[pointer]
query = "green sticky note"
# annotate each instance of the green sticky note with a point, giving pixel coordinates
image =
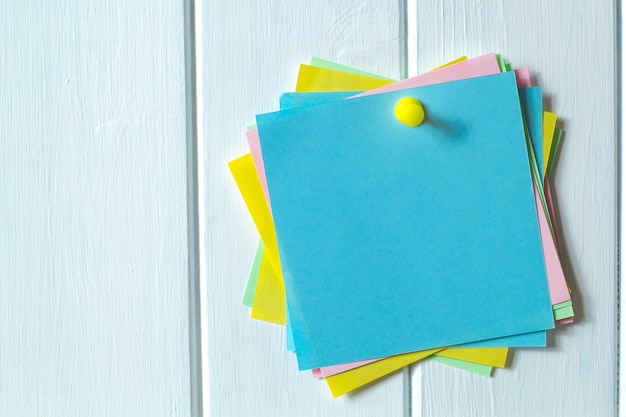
(563, 310)
(501, 63)
(477, 368)
(563, 313)
(564, 304)
(324, 63)
(248, 296)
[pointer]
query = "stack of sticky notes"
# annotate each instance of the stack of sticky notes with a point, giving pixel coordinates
(393, 233)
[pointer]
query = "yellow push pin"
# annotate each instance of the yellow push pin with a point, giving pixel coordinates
(409, 111)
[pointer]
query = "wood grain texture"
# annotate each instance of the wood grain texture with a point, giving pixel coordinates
(570, 48)
(252, 51)
(93, 209)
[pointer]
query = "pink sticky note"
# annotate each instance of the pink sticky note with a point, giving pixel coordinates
(556, 278)
(548, 192)
(523, 77)
(337, 369)
(252, 136)
(476, 67)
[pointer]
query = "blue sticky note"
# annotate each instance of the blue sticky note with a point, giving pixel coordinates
(533, 339)
(532, 105)
(294, 100)
(290, 100)
(396, 239)
(291, 346)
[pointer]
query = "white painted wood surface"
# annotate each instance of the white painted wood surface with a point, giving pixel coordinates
(94, 305)
(93, 209)
(571, 49)
(252, 51)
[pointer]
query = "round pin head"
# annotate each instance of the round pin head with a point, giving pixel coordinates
(409, 111)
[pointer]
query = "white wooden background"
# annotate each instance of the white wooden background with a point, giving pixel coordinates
(97, 227)
(94, 275)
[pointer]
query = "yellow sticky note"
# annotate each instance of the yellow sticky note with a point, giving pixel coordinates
(485, 356)
(269, 302)
(269, 299)
(345, 382)
(549, 124)
(316, 79)
(245, 175)
(456, 61)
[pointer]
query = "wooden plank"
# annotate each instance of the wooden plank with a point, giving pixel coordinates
(571, 50)
(93, 209)
(251, 53)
